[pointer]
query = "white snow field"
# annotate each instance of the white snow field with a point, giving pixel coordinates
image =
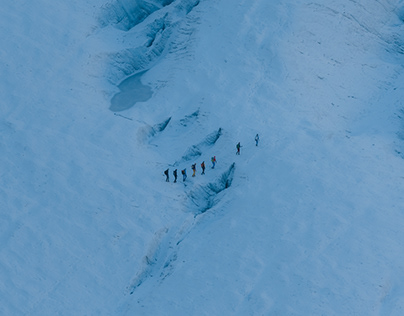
(98, 98)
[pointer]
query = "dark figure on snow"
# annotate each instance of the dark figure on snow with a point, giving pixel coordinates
(193, 169)
(167, 177)
(213, 162)
(175, 175)
(184, 175)
(203, 167)
(238, 146)
(257, 138)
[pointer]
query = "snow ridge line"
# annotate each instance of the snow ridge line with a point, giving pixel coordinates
(204, 197)
(159, 260)
(162, 254)
(195, 151)
(146, 132)
(189, 119)
(125, 15)
(146, 42)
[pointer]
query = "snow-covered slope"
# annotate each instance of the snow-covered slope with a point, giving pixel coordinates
(99, 98)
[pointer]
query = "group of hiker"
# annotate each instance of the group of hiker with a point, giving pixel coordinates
(184, 171)
(238, 146)
(203, 166)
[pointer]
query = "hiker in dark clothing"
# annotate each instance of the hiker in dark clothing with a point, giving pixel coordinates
(184, 174)
(238, 146)
(175, 175)
(167, 177)
(203, 167)
(257, 138)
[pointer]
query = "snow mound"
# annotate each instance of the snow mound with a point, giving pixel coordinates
(125, 14)
(152, 29)
(206, 196)
(195, 151)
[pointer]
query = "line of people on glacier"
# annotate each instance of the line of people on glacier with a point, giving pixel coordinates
(184, 171)
(203, 166)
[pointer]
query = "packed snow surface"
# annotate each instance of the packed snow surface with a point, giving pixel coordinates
(98, 98)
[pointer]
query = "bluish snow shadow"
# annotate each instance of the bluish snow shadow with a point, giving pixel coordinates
(195, 151)
(126, 14)
(146, 132)
(204, 197)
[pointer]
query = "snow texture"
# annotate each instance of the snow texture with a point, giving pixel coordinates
(99, 97)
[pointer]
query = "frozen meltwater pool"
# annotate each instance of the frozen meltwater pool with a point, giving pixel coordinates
(132, 91)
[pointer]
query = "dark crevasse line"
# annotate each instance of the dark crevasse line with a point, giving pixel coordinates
(189, 119)
(400, 134)
(147, 132)
(151, 259)
(159, 261)
(196, 151)
(158, 34)
(134, 60)
(204, 197)
(126, 14)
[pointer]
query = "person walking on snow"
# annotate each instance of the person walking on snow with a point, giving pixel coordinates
(184, 175)
(203, 167)
(257, 138)
(213, 162)
(238, 146)
(175, 175)
(193, 169)
(167, 177)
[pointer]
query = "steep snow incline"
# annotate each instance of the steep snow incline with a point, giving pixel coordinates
(311, 224)
(307, 223)
(64, 178)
